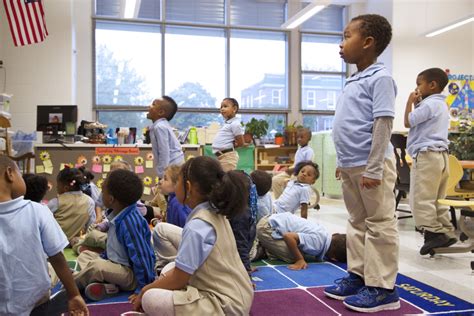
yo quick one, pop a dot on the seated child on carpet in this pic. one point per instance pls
(263, 183)
(93, 191)
(29, 234)
(289, 237)
(208, 276)
(304, 153)
(176, 213)
(128, 262)
(36, 187)
(298, 192)
(74, 210)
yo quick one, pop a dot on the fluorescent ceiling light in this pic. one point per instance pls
(451, 26)
(310, 10)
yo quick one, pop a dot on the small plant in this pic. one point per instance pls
(257, 128)
(278, 134)
(462, 144)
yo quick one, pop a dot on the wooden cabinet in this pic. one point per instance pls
(266, 156)
(5, 124)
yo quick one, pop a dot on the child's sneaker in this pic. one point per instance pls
(435, 240)
(345, 287)
(99, 291)
(373, 299)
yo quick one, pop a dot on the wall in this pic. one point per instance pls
(45, 73)
(413, 52)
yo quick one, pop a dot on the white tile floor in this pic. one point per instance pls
(450, 273)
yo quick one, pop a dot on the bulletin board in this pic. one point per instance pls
(50, 160)
(460, 100)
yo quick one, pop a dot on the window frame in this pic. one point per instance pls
(342, 73)
(163, 23)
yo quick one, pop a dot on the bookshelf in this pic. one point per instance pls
(265, 156)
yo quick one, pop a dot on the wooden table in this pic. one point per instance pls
(467, 164)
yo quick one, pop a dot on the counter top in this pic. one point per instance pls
(79, 145)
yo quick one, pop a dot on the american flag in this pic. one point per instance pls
(26, 21)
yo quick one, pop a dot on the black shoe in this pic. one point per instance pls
(433, 240)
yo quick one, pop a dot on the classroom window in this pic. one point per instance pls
(127, 64)
(318, 122)
(276, 96)
(195, 66)
(258, 64)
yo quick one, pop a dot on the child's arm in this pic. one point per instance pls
(175, 279)
(76, 304)
(304, 210)
(292, 240)
(413, 99)
(239, 141)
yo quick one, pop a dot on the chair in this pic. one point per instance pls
(24, 162)
(456, 173)
(402, 184)
(467, 230)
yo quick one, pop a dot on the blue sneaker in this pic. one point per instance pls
(345, 287)
(373, 299)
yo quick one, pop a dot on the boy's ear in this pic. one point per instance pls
(9, 174)
(368, 42)
(433, 85)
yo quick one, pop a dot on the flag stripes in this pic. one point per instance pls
(26, 21)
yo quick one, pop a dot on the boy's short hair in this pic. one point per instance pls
(173, 171)
(262, 181)
(170, 107)
(6, 162)
(125, 186)
(36, 187)
(305, 130)
(337, 248)
(378, 27)
(437, 75)
(233, 101)
(301, 164)
(120, 164)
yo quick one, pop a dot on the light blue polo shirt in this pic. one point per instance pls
(226, 135)
(293, 196)
(367, 95)
(29, 234)
(166, 147)
(314, 238)
(198, 240)
(264, 205)
(303, 154)
(429, 124)
(116, 252)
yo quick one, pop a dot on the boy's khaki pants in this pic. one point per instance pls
(428, 181)
(166, 240)
(372, 233)
(229, 160)
(279, 182)
(96, 269)
(275, 247)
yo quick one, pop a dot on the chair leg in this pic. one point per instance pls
(453, 217)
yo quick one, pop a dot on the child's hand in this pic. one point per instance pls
(77, 306)
(136, 301)
(298, 265)
(415, 97)
(369, 183)
(337, 174)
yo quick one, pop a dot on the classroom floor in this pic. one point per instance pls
(450, 273)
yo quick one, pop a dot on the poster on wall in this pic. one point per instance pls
(460, 101)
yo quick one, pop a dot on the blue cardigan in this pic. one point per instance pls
(176, 213)
(134, 234)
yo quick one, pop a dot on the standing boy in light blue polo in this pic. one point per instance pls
(230, 136)
(427, 144)
(166, 147)
(366, 165)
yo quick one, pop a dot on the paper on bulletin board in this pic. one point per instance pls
(47, 163)
(106, 168)
(97, 168)
(146, 190)
(48, 170)
(104, 175)
(149, 164)
(139, 169)
(39, 169)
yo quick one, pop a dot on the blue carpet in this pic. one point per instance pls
(317, 274)
(267, 278)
